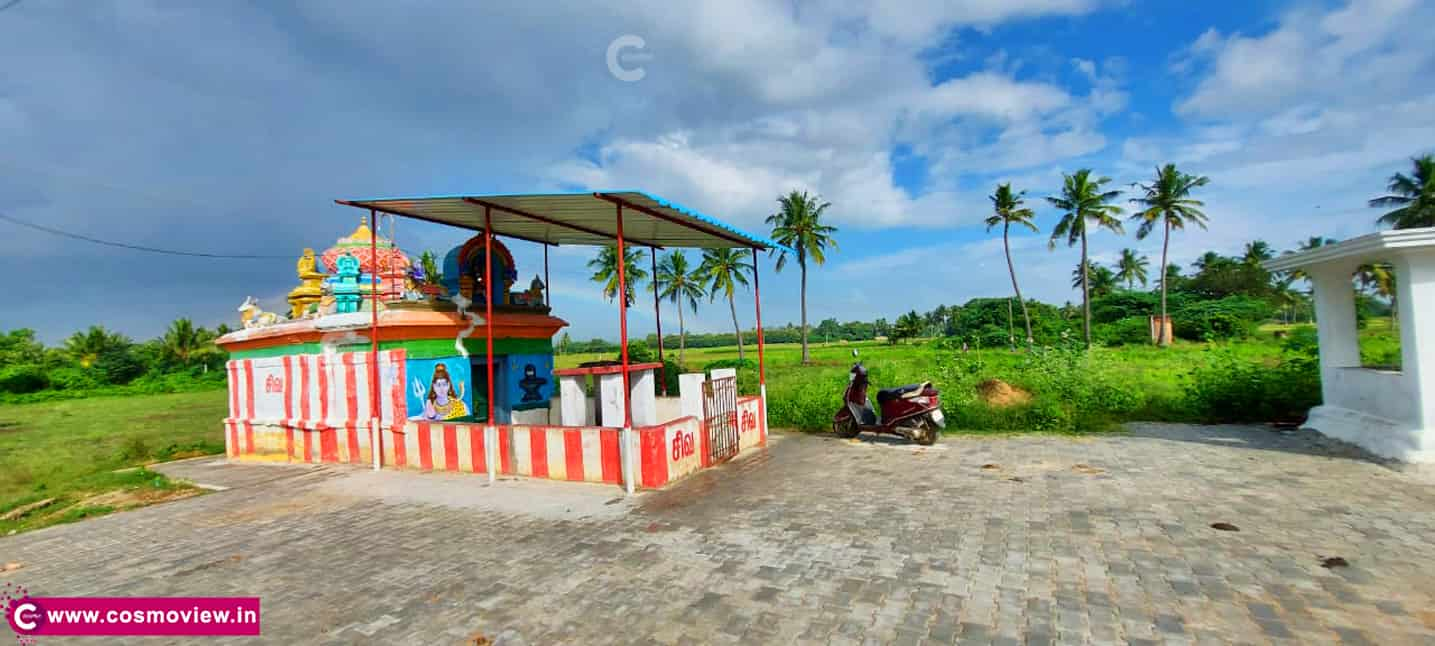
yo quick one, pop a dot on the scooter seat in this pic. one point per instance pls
(909, 390)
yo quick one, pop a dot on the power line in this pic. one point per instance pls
(122, 245)
(9, 4)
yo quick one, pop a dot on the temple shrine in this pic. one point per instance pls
(448, 364)
(447, 376)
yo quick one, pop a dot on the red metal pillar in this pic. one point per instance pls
(623, 322)
(757, 302)
(375, 441)
(488, 306)
(761, 360)
(658, 315)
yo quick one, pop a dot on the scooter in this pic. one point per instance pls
(913, 411)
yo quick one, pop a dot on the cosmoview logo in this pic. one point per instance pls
(25, 616)
(628, 49)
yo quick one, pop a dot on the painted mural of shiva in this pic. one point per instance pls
(442, 401)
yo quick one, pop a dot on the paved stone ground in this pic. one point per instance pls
(977, 540)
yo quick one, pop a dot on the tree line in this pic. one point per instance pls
(1087, 205)
(98, 358)
(1222, 296)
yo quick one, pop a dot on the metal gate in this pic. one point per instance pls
(720, 413)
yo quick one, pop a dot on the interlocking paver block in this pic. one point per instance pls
(794, 546)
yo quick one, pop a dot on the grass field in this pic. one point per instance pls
(83, 453)
(1152, 382)
(1153, 371)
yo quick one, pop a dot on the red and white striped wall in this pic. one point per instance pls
(314, 409)
(578, 454)
(311, 408)
(680, 447)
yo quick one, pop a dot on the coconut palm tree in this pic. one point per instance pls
(184, 343)
(1103, 280)
(1132, 268)
(87, 347)
(605, 271)
(798, 226)
(1413, 193)
(724, 270)
(1084, 203)
(1167, 200)
(1008, 209)
(1257, 252)
(678, 283)
(1209, 260)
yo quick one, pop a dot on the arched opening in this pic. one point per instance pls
(1377, 314)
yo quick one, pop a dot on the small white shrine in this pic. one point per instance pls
(1388, 412)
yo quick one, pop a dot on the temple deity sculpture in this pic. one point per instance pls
(382, 265)
(251, 316)
(305, 298)
(345, 284)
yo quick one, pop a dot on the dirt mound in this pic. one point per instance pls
(1000, 394)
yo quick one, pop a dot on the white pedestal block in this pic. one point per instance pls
(531, 417)
(690, 393)
(573, 405)
(643, 397)
(721, 373)
(610, 399)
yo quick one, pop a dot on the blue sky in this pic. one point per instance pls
(230, 127)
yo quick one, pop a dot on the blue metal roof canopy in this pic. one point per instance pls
(588, 218)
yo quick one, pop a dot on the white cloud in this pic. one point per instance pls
(822, 109)
(1343, 56)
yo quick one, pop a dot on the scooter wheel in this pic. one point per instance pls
(845, 429)
(927, 435)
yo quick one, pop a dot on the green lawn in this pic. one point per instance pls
(75, 451)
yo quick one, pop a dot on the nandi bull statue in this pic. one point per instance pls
(251, 316)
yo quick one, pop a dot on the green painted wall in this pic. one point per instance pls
(415, 348)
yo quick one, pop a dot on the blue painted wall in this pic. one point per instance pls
(529, 381)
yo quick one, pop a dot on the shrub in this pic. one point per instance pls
(1233, 317)
(671, 370)
(1068, 394)
(1124, 304)
(72, 378)
(119, 366)
(134, 449)
(1230, 389)
(640, 352)
(23, 379)
(1128, 331)
(1301, 340)
(806, 405)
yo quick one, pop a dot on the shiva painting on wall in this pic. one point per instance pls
(439, 389)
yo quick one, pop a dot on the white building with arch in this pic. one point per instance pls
(1388, 412)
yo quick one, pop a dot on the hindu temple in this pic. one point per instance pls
(444, 361)
(432, 319)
